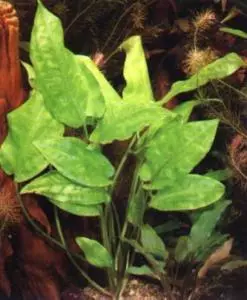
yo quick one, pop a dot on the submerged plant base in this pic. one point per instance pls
(136, 290)
(223, 284)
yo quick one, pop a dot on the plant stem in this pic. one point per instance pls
(122, 162)
(120, 257)
(85, 131)
(62, 246)
(233, 88)
(73, 261)
(35, 226)
(106, 234)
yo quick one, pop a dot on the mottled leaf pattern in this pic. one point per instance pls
(72, 158)
(67, 86)
(59, 188)
(175, 150)
(191, 192)
(26, 124)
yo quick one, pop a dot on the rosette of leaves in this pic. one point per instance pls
(69, 90)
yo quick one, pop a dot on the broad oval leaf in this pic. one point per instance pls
(67, 87)
(72, 158)
(218, 69)
(138, 87)
(191, 192)
(78, 210)
(152, 243)
(95, 253)
(29, 122)
(59, 188)
(175, 150)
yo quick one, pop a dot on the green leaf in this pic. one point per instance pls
(216, 240)
(31, 74)
(96, 103)
(218, 69)
(184, 109)
(236, 32)
(141, 271)
(157, 265)
(198, 246)
(182, 249)
(152, 243)
(95, 253)
(175, 150)
(67, 87)
(78, 210)
(59, 188)
(109, 93)
(26, 124)
(71, 157)
(206, 223)
(136, 209)
(220, 175)
(168, 226)
(233, 265)
(124, 119)
(191, 192)
(138, 87)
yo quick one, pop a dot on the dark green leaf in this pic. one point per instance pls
(95, 253)
(182, 249)
(168, 226)
(71, 157)
(157, 265)
(152, 243)
(220, 175)
(26, 124)
(136, 210)
(206, 223)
